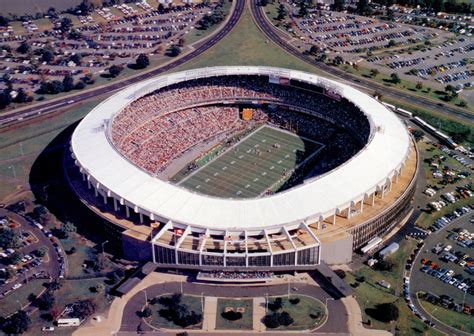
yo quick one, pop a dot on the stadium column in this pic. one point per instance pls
(373, 198)
(362, 206)
(105, 198)
(115, 204)
(127, 211)
(141, 217)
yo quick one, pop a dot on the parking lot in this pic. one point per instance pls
(110, 36)
(445, 262)
(30, 265)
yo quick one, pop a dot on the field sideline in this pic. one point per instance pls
(253, 165)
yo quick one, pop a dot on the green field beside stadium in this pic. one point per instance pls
(254, 165)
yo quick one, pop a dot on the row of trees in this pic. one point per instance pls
(176, 312)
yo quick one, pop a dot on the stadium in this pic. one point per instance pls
(243, 167)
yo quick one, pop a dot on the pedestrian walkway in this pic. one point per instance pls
(210, 310)
(258, 314)
(355, 320)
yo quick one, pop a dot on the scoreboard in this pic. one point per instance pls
(247, 114)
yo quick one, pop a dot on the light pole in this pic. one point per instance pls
(103, 247)
(13, 170)
(19, 304)
(326, 302)
(289, 284)
(21, 148)
(181, 285)
(266, 303)
(202, 302)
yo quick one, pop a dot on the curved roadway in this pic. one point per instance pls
(53, 106)
(336, 322)
(269, 30)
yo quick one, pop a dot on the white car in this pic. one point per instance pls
(47, 329)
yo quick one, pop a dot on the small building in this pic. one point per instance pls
(68, 322)
(371, 262)
(389, 250)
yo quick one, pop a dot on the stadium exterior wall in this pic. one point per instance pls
(169, 253)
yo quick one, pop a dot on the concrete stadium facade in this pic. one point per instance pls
(324, 219)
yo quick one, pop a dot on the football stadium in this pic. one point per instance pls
(243, 167)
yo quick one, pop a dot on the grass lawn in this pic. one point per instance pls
(245, 323)
(30, 140)
(192, 302)
(11, 303)
(368, 294)
(456, 320)
(301, 313)
(246, 45)
(253, 165)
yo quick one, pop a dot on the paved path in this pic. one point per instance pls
(336, 323)
(210, 310)
(258, 313)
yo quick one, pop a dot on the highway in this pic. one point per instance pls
(49, 107)
(424, 103)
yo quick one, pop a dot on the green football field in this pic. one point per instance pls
(253, 165)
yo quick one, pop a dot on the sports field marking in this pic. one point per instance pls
(264, 166)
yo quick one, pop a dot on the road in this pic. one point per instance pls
(424, 103)
(337, 317)
(49, 107)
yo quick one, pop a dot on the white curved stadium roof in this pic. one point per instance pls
(117, 177)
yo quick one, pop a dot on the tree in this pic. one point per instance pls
(418, 134)
(23, 48)
(363, 7)
(285, 319)
(303, 10)
(15, 257)
(395, 78)
(295, 301)
(4, 21)
(69, 227)
(232, 315)
(384, 312)
(314, 50)
(68, 83)
(76, 58)
(146, 312)
(338, 5)
(277, 304)
(8, 238)
(338, 60)
(391, 43)
(41, 251)
(419, 85)
(47, 55)
(174, 51)
(281, 12)
(65, 24)
(115, 70)
(18, 323)
(142, 61)
(45, 301)
(5, 98)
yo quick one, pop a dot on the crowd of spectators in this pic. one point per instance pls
(157, 128)
(227, 275)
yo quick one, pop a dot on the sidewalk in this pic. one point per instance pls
(258, 314)
(210, 310)
(111, 324)
(354, 320)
